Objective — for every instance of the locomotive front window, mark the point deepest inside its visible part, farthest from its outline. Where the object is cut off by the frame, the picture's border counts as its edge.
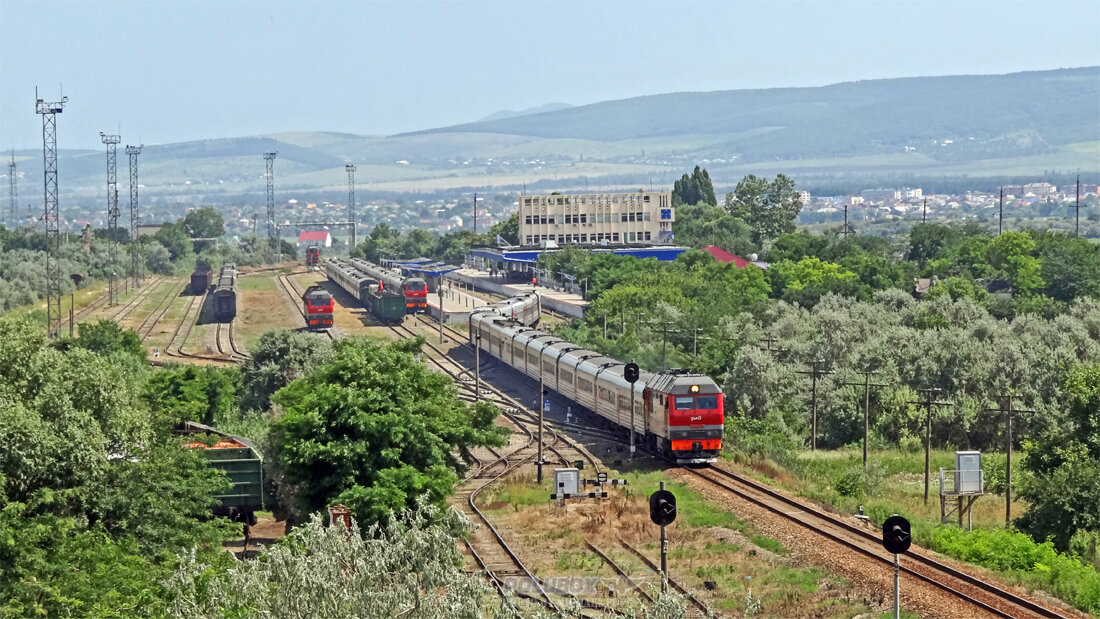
(707, 402)
(685, 403)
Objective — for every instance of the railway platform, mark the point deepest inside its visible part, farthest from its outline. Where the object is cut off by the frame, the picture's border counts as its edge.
(561, 301)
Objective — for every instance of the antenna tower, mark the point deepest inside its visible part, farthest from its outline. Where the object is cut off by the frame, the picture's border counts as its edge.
(112, 216)
(351, 201)
(12, 185)
(135, 213)
(269, 176)
(49, 112)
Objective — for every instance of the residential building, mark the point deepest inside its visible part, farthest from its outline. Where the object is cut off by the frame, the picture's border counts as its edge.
(320, 238)
(640, 218)
(880, 195)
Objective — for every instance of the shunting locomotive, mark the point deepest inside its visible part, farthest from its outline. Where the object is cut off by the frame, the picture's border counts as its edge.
(313, 256)
(318, 306)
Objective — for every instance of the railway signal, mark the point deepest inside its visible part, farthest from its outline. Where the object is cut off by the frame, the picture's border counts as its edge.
(896, 538)
(662, 511)
(631, 373)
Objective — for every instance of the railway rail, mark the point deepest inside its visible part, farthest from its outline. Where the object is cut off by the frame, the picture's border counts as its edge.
(125, 309)
(291, 288)
(151, 320)
(986, 596)
(496, 568)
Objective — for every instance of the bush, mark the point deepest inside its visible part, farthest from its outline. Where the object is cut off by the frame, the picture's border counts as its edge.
(1035, 564)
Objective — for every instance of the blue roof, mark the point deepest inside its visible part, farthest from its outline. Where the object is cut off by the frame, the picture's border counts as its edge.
(529, 256)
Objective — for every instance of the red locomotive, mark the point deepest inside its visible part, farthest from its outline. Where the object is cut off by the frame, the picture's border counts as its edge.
(313, 256)
(318, 306)
(416, 295)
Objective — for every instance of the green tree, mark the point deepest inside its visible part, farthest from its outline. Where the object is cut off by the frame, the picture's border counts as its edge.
(174, 238)
(107, 337)
(203, 223)
(192, 393)
(928, 241)
(806, 281)
(507, 229)
(374, 429)
(158, 259)
(694, 189)
(769, 208)
(1011, 254)
(699, 225)
(1070, 266)
(1063, 488)
(279, 358)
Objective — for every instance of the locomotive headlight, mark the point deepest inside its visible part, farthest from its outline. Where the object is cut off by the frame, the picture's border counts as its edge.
(695, 388)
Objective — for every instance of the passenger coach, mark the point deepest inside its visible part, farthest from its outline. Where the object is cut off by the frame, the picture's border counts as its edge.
(679, 413)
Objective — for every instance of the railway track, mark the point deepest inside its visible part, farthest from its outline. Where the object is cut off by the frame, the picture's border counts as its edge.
(137, 299)
(159, 311)
(183, 331)
(291, 288)
(984, 595)
(487, 545)
(224, 339)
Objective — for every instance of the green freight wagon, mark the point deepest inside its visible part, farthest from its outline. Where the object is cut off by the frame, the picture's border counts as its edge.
(385, 306)
(239, 459)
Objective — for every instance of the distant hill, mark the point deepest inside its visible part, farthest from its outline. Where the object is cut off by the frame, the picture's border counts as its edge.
(1014, 114)
(876, 131)
(549, 107)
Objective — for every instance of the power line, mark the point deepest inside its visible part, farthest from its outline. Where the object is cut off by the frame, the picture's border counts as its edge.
(51, 211)
(1007, 410)
(814, 373)
(928, 403)
(866, 384)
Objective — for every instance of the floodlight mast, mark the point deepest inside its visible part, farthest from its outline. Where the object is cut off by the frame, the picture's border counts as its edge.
(51, 214)
(112, 215)
(135, 213)
(269, 177)
(351, 201)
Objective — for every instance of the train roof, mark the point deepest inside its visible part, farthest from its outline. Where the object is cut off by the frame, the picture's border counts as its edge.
(681, 381)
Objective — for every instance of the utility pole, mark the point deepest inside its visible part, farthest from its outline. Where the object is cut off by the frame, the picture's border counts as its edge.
(351, 203)
(51, 214)
(542, 407)
(814, 373)
(846, 230)
(866, 384)
(475, 213)
(695, 342)
(924, 218)
(269, 179)
(112, 215)
(1007, 409)
(928, 403)
(12, 188)
(1076, 225)
(1000, 224)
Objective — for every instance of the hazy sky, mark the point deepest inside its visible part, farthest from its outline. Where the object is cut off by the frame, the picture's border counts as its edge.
(176, 71)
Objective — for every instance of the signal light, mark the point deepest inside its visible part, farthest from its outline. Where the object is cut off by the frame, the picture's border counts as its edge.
(896, 537)
(662, 507)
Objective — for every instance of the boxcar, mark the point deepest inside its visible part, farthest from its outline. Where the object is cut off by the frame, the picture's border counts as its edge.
(225, 295)
(201, 279)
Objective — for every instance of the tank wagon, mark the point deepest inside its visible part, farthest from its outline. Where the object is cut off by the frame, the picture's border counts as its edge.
(201, 279)
(679, 413)
(415, 289)
(386, 306)
(225, 295)
(318, 308)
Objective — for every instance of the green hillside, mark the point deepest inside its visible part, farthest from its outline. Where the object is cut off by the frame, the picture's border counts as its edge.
(984, 116)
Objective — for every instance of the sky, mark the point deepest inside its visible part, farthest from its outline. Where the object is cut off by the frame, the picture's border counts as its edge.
(160, 71)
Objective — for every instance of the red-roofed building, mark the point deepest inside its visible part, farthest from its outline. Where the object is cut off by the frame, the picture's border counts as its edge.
(320, 238)
(722, 255)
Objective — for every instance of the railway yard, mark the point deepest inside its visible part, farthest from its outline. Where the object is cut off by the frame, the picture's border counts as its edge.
(736, 542)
